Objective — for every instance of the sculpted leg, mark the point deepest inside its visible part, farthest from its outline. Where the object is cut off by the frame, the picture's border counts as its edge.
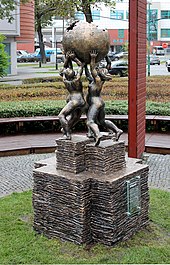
(92, 126)
(109, 125)
(64, 117)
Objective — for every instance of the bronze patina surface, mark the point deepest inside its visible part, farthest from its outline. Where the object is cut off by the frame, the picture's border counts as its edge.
(83, 37)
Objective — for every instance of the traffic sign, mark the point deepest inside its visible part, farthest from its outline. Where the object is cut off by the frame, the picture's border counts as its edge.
(164, 45)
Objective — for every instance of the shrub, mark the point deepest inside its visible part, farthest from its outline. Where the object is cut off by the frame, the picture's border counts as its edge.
(30, 108)
(157, 90)
(53, 107)
(3, 58)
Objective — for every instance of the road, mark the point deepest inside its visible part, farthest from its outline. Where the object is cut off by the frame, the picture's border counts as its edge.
(159, 70)
(33, 70)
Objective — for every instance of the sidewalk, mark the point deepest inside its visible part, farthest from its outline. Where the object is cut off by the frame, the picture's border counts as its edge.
(39, 143)
(31, 71)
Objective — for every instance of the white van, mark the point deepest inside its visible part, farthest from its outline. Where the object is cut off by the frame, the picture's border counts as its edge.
(158, 50)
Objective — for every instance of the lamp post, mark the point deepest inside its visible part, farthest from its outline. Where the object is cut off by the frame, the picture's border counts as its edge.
(149, 2)
(56, 63)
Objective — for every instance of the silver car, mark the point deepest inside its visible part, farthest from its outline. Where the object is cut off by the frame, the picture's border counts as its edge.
(168, 65)
(154, 60)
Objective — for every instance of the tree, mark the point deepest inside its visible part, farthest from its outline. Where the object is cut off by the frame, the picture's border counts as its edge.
(3, 58)
(85, 6)
(7, 7)
(46, 9)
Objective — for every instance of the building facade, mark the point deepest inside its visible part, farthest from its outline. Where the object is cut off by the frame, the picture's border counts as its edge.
(19, 34)
(159, 18)
(117, 23)
(25, 41)
(11, 31)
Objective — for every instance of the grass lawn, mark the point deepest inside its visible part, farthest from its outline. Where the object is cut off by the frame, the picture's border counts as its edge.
(36, 65)
(19, 244)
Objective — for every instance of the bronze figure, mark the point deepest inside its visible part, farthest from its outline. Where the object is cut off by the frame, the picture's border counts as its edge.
(71, 113)
(96, 112)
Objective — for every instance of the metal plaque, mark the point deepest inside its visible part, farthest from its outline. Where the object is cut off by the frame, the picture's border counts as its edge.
(133, 196)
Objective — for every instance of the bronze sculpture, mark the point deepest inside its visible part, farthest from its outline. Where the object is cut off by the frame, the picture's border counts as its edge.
(85, 44)
(96, 112)
(71, 113)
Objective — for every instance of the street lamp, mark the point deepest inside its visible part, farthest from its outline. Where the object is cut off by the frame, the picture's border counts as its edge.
(149, 2)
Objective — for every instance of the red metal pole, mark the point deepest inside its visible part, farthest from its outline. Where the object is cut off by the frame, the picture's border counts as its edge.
(137, 78)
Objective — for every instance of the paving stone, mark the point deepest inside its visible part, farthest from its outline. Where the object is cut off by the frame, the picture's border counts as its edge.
(16, 171)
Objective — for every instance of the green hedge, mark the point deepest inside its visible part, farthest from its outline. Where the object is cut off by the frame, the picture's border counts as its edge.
(53, 107)
(46, 79)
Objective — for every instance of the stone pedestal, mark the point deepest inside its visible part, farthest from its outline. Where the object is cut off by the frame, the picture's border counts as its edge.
(70, 154)
(91, 206)
(108, 157)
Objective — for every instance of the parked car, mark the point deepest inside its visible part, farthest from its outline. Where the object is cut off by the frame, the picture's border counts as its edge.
(111, 55)
(168, 65)
(121, 55)
(154, 60)
(48, 53)
(119, 68)
(24, 56)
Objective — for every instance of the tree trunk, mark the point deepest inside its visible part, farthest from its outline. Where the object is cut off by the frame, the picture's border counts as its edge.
(87, 11)
(41, 43)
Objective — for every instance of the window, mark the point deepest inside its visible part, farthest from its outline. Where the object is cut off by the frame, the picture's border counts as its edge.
(79, 15)
(121, 33)
(165, 14)
(96, 14)
(165, 33)
(117, 14)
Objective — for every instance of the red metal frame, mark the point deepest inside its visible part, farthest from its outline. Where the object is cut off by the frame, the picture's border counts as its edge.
(137, 78)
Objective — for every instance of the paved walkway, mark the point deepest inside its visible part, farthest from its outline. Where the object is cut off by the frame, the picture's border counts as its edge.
(45, 143)
(16, 172)
(31, 71)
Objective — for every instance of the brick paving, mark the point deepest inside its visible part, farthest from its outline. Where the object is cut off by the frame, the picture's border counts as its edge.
(159, 170)
(16, 171)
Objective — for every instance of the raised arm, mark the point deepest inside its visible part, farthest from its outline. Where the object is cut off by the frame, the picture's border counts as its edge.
(78, 62)
(93, 70)
(88, 75)
(67, 61)
(108, 62)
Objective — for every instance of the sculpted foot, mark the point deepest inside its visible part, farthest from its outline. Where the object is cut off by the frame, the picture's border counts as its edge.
(118, 134)
(89, 135)
(67, 136)
(98, 139)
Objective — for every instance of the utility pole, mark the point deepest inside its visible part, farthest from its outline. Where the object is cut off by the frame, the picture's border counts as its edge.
(149, 2)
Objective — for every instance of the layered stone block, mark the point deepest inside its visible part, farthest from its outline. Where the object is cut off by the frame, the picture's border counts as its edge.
(62, 205)
(70, 154)
(109, 156)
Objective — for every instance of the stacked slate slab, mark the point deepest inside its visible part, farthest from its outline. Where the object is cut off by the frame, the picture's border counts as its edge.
(94, 204)
(108, 157)
(70, 154)
(62, 207)
(110, 221)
